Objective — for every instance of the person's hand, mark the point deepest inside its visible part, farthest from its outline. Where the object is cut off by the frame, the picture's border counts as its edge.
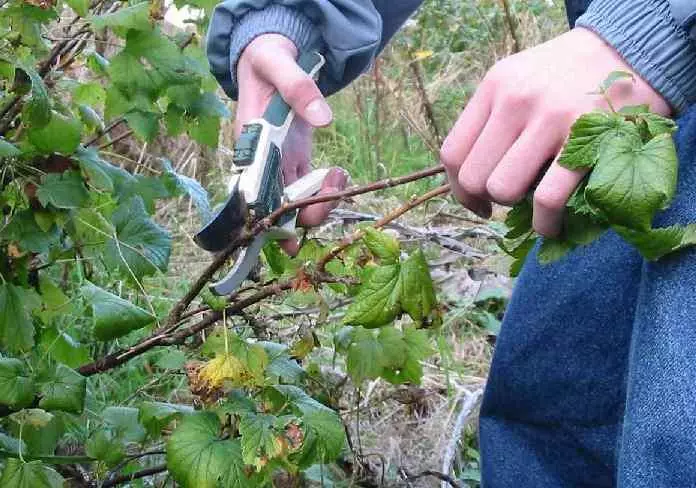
(520, 117)
(268, 65)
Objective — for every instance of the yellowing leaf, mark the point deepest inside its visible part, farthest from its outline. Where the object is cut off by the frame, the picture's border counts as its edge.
(422, 54)
(221, 368)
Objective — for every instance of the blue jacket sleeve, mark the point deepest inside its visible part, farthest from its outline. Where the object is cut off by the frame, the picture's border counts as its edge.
(656, 37)
(350, 33)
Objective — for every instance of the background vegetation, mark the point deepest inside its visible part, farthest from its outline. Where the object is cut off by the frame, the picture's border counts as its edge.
(108, 121)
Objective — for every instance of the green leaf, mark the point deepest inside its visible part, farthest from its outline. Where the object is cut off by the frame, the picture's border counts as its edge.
(366, 357)
(278, 261)
(105, 446)
(615, 76)
(174, 359)
(96, 170)
(155, 416)
(116, 102)
(519, 219)
(61, 134)
(393, 353)
(54, 301)
(10, 444)
(144, 124)
(132, 17)
(8, 150)
(16, 385)
(208, 104)
(657, 124)
(280, 363)
(123, 421)
(588, 134)
(634, 109)
(325, 424)
(183, 185)
(92, 93)
(24, 230)
(205, 130)
(581, 229)
(16, 324)
(65, 391)
(656, 243)
(63, 190)
(90, 117)
(63, 348)
(403, 353)
(38, 108)
(42, 440)
(552, 250)
(258, 438)
(197, 457)
(97, 63)
(133, 79)
(632, 181)
(377, 302)
(382, 245)
(519, 254)
(81, 7)
(34, 474)
(174, 120)
(417, 293)
(140, 245)
(113, 316)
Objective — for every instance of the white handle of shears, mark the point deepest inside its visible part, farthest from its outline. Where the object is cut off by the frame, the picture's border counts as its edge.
(305, 187)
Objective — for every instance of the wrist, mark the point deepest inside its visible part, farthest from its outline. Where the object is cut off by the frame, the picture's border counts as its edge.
(637, 93)
(647, 36)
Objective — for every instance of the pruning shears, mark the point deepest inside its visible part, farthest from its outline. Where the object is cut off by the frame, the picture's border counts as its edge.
(256, 186)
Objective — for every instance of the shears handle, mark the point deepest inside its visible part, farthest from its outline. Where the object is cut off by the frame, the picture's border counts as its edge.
(256, 183)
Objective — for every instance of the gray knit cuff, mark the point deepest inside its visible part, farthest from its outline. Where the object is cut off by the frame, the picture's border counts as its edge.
(274, 19)
(649, 39)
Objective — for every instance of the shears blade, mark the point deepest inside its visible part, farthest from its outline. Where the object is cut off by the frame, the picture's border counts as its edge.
(245, 262)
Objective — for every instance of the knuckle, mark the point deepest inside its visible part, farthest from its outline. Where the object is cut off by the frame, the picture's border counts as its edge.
(472, 186)
(516, 101)
(448, 155)
(502, 192)
(555, 115)
(549, 199)
(300, 91)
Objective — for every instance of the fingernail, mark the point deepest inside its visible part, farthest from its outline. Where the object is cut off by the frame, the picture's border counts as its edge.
(318, 113)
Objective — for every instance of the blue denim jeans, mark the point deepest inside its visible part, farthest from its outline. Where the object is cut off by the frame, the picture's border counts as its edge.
(593, 380)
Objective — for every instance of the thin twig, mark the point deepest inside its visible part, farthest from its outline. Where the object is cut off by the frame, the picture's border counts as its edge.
(425, 101)
(116, 139)
(446, 479)
(106, 130)
(512, 25)
(347, 242)
(144, 473)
